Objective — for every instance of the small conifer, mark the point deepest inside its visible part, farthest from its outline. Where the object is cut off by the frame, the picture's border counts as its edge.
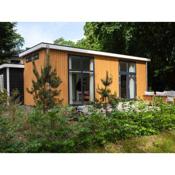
(105, 92)
(45, 88)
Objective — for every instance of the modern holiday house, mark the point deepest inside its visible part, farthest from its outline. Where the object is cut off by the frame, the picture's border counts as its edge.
(81, 72)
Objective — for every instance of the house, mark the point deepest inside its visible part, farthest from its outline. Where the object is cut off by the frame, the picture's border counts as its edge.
(81, 72)
(11, 78)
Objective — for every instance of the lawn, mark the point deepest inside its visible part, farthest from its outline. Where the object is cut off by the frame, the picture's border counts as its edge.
(161, 143)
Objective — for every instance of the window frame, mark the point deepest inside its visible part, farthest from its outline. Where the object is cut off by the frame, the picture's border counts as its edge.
(81, 72)
(32, 57)
(128, 75)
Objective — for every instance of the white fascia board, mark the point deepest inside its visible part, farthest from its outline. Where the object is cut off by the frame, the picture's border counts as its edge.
(11, 66)
(71, 49)
(33, 49)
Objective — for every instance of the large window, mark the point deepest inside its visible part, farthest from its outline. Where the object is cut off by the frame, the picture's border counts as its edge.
(81, 80)
(127, 80)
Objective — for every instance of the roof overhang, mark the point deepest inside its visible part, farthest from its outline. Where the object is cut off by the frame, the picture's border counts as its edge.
(12, 66)
(85, 51)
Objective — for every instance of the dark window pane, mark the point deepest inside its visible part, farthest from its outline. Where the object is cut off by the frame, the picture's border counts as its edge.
(123, 67)
(76, 63)
(86, 82)
(85, 64)
(76, 88)
(79, 63)
(123, 84)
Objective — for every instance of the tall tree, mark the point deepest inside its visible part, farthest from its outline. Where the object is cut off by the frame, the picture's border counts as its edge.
(10, 41)
(45, 88)
(80, 43)
(62, 41)
(152, 40)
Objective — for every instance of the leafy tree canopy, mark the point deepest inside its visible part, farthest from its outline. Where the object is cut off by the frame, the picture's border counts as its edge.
(79, 44)
(10, 41)
(153, 40)
(62, 41)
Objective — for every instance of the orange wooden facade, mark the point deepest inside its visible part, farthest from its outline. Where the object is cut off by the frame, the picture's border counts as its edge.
(59, 61)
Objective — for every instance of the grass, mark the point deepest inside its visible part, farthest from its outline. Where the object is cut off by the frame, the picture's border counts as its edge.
(162, 143)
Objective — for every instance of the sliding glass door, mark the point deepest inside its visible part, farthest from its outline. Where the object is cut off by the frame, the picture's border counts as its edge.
(127, 80)
(81, 80)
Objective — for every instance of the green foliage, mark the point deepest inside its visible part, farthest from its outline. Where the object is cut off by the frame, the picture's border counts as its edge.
(45, 89)
(50, 132)
(140, 39)
(56, 130)
(10, 42)
(3, 100)
(80, 43)
(105, 92)
(133, 38)
(9, 102)
(62, 41)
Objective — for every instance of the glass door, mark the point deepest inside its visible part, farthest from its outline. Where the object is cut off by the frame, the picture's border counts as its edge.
(81, 80)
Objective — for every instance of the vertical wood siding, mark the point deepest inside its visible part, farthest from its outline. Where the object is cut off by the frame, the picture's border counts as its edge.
(29, 76)
(103, 64)
(141, 79)
(59, 61)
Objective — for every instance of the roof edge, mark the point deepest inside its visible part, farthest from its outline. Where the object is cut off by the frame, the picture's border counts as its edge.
(73, 49)
(11, 66)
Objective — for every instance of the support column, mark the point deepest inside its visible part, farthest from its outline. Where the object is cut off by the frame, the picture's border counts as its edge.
(8, 80)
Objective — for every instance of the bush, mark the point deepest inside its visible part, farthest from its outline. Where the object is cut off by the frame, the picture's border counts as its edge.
(62, 129)
(3, 100)
(50, 132)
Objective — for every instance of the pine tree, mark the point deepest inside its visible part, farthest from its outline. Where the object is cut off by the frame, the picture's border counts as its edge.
(105, 92)
(45, 89)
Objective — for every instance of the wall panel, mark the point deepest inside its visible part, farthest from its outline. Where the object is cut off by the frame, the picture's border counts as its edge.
(103, 64)
(58, 61)
(141, 79)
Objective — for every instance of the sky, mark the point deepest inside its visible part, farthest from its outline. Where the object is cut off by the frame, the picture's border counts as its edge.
(36, 32)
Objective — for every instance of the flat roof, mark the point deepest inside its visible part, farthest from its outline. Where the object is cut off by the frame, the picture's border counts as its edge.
(78, 50)
(11, 66)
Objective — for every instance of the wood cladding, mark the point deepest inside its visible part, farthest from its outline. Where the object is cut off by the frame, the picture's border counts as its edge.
(141, 79)
(59, 61)
(103, 64)
(29, 76)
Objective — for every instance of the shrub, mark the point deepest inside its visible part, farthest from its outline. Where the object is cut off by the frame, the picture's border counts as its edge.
(50, 132)
(62, 129)
(3, 100)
